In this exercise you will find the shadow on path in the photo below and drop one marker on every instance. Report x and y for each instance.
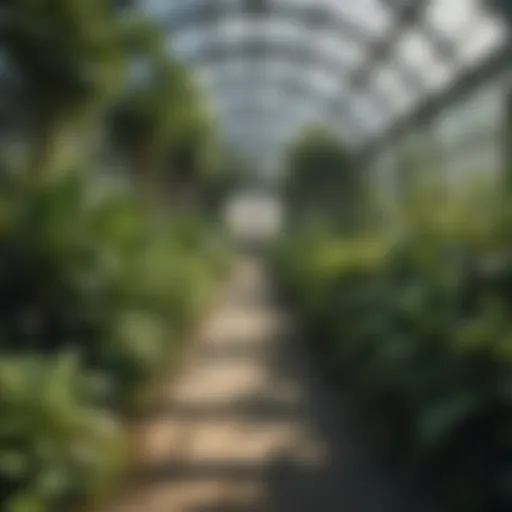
(260, 428)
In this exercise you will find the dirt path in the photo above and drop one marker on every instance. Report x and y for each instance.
(250, 426)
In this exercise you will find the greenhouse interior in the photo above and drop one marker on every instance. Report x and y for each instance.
(255, 256)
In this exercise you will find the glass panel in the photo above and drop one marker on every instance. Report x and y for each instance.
(323, 83)
(188, 43)
(340, 115)
(488, 160)
(369, 115)
(346, 51)
(163, 7)
(239, 27)
(473, 30)
(338, 53)
(452, 127)
(452, 17)
(372, 15)
(480, 113)
(280, 69)
(487, 109)
(415, 51)
(384, 184)
(220, 74)
(481, 163)
(387, 81)
(486, 36)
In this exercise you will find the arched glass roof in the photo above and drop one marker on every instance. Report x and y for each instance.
(360, 65)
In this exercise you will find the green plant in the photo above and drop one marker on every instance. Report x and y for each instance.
(420, 328)
(56, 446)
(97, 276)
(321, 180)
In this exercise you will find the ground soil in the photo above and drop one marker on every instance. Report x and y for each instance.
(252, 425)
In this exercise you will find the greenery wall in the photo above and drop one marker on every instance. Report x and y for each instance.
(416, 321)
(321, 181)
(103, 272)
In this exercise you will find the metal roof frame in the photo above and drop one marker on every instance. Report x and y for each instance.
(408, 15)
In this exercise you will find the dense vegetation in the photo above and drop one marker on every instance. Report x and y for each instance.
(416, 319)
(102, 271)
(321, 182)
(109, 252)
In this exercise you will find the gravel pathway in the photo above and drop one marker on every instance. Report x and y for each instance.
(251, 426)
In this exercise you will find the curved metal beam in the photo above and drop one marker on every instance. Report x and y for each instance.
(296, 83)
(300, 72)
(288, 113)
(432, 106)
(296, 86)
(289, 84)
(406, 16)
(249, 96)
(444, 48)
(320, 18)
(312, 17)
(271, 115)
(219, 52)
(315, 18)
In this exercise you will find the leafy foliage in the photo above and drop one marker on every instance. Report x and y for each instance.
(95, 276)
(55, 445)
(66, 56)
(321, 180)
(161, 125)
(97, 288)
(420, 327)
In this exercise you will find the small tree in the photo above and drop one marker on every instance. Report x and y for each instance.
(160, 124)
(67, 56)
(321, 179)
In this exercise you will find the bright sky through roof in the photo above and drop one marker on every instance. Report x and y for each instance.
(470, 31)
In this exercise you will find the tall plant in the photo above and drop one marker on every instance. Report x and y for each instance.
(66, 54)
(160, 125)
(321, 177)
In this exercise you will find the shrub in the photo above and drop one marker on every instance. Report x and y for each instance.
(56, 447)
(422, 331)
(98, 277)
